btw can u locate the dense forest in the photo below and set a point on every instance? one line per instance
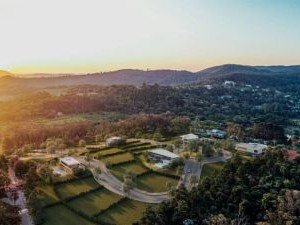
(264, 190)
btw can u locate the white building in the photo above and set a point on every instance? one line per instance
(162, 155)
(253, 149)
(114, 141)
(189, 137)
(229, 83)
(216, 133)
(69, 163)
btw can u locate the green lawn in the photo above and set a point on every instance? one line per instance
(73, 118)
(118, 158)
(92, 203)
(76, 187)
(135, 167)
(60, 215)
(107, 152)
(211, 168)
(125, 213)
(47, 194)
(154, 182)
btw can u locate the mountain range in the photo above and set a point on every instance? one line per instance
(139, 77)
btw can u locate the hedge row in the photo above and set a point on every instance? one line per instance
(72, 179)
(122, 163)
(112, 154)
(135, 145)
(109, 207)
(142, 148)
(83, 193)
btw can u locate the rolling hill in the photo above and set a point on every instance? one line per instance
(269, 74)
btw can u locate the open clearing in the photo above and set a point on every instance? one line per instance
(76, 187)
(211, 168)
(93, 203)
(60, 215)
(124, 213)
(154, 182)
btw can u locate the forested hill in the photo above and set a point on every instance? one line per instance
(268, 74)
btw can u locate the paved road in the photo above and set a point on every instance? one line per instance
(21, 201)
(194, 168)
(110, 182)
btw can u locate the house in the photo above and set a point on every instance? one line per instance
(69, 163)
(162, 155)
(114, 141)
(188, 137)
(252, 149)
(216, 133)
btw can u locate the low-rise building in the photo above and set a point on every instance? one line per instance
(114, 141)
(69, 163)
(189, 137)
(253, 149)
(216, 133)
(162, 155)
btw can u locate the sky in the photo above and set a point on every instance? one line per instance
(84, 36)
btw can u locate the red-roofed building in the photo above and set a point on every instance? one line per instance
(292, 155)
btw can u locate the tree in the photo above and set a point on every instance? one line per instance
(82, 143)
(287, 210)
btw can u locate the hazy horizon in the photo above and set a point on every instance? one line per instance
(97, 36)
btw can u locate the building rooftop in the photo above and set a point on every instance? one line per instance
(251, 145)
(69, 161)
(292, 155)
(163, 152)
(189, 136)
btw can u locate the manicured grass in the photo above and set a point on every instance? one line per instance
(211, 168)
(60, 215)
(154, 182)
(125, 213)
(135, 167)
(92, 203)
(76, 187)
(118, 158)
(47, 194)
(107, 152)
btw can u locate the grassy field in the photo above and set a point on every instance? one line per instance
(92, 203)
(118, 158)
(47, 194)
(107, 152)
(76, 187)
(135, 167)
(60, 215)
(211, 168)
(92, 117)
(154, 182)
(124, 213)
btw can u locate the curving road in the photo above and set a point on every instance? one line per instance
(110, 182)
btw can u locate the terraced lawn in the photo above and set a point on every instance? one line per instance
(116, 159)
(73, 188)
(125, 213)
(107, 152)
(92, 203)
(47, 194)
(60, 215)
(135, 167)
(154, 182)
(211, 168)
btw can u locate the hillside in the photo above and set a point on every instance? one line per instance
(5, 73)
(270, 75)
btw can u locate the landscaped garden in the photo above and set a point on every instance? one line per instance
(134, 167)
(153, 182)
(94, 202)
